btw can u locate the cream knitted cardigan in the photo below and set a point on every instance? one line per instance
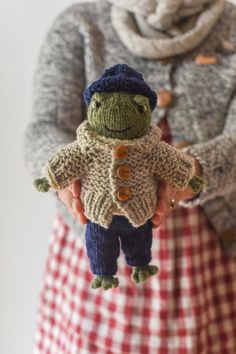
(91, 158)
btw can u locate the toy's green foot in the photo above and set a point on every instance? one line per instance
(141, 274)
(196, 183)
(104, 282)
(42, 184)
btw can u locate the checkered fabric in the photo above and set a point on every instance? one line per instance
(188, 308)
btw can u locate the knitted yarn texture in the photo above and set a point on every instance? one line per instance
(117, 155)
(163, 20)
(83, 41)
(121, 78)
(95, 160)
(119, 115)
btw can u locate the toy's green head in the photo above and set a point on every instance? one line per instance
(119, 115)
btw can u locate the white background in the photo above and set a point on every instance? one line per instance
(25, 215)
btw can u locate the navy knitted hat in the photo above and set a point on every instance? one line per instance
(121, 78)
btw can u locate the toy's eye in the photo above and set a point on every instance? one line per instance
(142, 108)
(96, 104)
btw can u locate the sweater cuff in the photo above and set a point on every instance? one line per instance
(51, 178)
(210, 172)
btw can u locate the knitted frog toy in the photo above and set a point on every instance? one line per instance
(119, 158)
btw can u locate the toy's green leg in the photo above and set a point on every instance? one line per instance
(42, 184)
(141, 274)
(196, 183)
(105, 282)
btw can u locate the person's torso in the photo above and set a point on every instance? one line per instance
(201, 94)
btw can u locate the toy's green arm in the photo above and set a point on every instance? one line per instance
(176, 168)
(64, 167)
(41, 184)
(196, 183)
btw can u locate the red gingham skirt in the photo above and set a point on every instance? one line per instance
(188, 308)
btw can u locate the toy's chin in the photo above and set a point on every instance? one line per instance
(117, 131)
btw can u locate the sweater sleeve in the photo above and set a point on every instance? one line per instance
(218, 160)
(65, 166)
(59, 81)
(172, 165)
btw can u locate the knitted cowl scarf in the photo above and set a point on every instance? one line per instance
(165, 27)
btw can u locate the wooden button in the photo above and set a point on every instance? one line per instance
(228, 46)
(182, 144)
(202, 59)
(123, 172)
(120, 152)
(124, 194)
(165, 61)
(229, 236)
(164, 98)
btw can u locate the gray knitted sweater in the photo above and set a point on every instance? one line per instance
(83, 42)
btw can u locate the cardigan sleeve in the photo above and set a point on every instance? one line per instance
(172, 165)
(59, 81)
(218, 160)
(65, 166)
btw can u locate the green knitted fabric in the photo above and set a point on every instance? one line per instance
(42, 184)
(196, 183)
(119, 115)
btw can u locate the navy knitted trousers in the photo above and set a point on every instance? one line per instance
(103, 245)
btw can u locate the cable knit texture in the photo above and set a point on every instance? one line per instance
(92, 158)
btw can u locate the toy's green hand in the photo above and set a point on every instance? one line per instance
(42, 184)
(196, 183)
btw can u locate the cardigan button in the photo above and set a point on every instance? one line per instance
(228, 46)
(202, 59)
(165, 61)
(182, 144)
(123, 172)
(124, 194)
(229, 236)
(120, 152)
(164, 98)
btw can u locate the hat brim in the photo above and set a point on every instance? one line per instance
(119, 83)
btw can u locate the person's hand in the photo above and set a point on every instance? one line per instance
(71, 198)
(168, 196)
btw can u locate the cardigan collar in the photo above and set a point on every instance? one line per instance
(87, 138)
(149, 42)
